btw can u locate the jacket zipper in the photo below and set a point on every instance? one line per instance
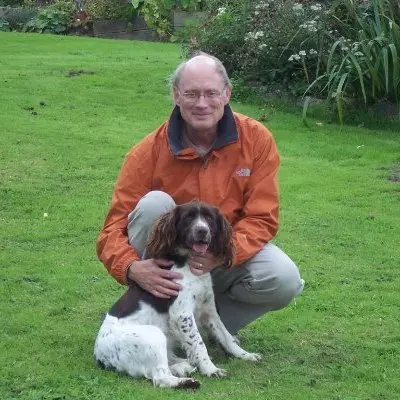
(205, 161)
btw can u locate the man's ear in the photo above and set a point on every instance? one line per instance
(228, 92)
(177, 97)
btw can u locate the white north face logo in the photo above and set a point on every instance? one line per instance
(243, 172)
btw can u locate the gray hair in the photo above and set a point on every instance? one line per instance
(219, 67)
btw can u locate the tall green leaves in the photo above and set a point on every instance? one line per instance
(365, 62)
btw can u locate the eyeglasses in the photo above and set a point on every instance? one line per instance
(192, 96)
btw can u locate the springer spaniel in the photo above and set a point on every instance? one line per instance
(140, 331)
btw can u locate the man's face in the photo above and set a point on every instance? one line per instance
(201, 96)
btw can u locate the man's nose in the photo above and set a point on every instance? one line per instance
(201, 101)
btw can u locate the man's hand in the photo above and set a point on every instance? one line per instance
(202, 263)
(152, 276)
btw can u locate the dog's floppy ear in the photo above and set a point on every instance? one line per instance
(162, 237)
(224, 246)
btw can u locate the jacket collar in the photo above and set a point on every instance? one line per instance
(227, 131)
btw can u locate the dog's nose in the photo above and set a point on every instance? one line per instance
(201, 232)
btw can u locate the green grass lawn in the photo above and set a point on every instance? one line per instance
(70, 108)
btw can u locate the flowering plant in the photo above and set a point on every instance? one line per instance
(364, 62)
(268, 41)
(293, 48)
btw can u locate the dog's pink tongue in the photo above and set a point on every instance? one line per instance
(200, 247)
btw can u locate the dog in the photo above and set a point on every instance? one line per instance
(140, 332)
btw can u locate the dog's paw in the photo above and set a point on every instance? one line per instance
(182, 369)
(219, 373)
(215, 372)
(254, 356)
(251, 356)
(212, 370)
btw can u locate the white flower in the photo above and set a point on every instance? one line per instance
(249, 36)
(310, 26)
(262, 5)
(295, 57)
(298, 9)
(302, 53)
(358, 54)
(312, 51)
(316, 7)
(221, 10)
(262, 46)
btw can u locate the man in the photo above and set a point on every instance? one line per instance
(206, 152)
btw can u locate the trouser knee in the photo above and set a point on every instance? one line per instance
(275, 291)
(270, 278)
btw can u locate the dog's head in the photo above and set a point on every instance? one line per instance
(195, 227)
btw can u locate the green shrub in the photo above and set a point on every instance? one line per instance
(221, 34)
(263, 41)
(68, 6)
(49, 20)
(55, 18)
(109, 9)
(364, 63)
(18, 17)
(10, 3)
(157, 13)
(4, 25)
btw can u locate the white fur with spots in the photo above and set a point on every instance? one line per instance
(141, 343)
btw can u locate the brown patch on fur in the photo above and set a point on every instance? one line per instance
(162, 237)
(189, 384)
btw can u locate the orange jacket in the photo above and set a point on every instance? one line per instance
(239, 177)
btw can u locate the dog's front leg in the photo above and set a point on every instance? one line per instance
(183, 326)
(216, 327)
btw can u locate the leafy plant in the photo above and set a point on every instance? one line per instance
(17, 17)
(239, 32)
(10, 3)
(4, 25)
(69, 6)
(49, 20)
(109, 10)
(365, 62)
(222, 34)
(157, 13)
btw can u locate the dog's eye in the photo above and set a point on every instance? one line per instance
(190, 215)
(209, 218)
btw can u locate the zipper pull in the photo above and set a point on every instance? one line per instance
(205, 161)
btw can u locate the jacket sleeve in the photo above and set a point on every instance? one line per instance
(133, 182)
(259, 221)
